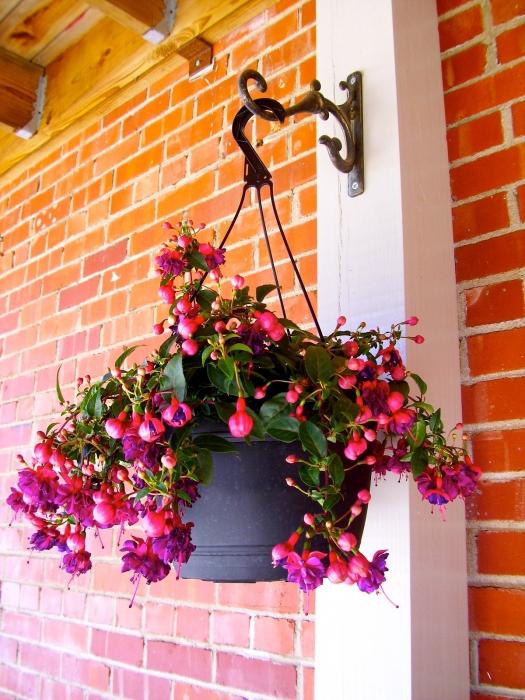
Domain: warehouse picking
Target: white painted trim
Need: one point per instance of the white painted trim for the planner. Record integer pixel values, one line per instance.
(384, 256)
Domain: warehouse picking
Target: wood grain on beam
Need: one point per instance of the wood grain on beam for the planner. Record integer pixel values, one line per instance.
(137, 15)
(88, 77)
(19, 82)
(32, 24)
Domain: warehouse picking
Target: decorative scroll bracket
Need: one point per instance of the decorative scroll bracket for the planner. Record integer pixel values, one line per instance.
(349, 116)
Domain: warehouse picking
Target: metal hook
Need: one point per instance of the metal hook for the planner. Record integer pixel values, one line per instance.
(349, 116)
(255, 172)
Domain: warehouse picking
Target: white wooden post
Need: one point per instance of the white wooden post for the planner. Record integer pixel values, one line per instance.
(382, 257)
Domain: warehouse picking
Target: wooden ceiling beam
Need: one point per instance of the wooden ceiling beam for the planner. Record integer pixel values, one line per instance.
(21, 94)
(153, 19)
(89, 78)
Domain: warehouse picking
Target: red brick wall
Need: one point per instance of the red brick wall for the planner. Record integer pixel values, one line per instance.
(483, 44)
(81, 226)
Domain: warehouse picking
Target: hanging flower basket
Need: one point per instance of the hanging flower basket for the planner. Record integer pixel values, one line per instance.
(281, 489)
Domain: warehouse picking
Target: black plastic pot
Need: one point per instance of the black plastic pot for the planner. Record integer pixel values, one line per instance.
(247, 509)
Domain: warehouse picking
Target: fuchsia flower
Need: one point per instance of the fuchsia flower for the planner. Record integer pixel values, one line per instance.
(140, 558)
(240, 423)
(170, 262)
(376, 573)
(307, 571)
(151, 428)
(177, 414)
(39, 487)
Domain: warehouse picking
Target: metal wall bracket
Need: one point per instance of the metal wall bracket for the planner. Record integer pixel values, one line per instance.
(349, 116)
(199, 54)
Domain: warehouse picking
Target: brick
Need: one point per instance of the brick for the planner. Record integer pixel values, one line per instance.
(190, 662)
(521, 201)
(40, 659)
(511, 44)
(275, 635)
(460, 28)
(94, 674)
(16, 435)
(231, 628)
(108, 257)
(20, 386)
(120, 647)
(496, 610)
(504, 10)
(139, 164)
(276, 597)
(501, 351)
(463, 66)
(490, 257)
(447, 5)
(193, 623)
(488, 172)
(518, 118)
(498, 501)
(499, 450)
(290, 52)
(308, 683)
(498, 399)
(8, 651)
(501, 553)
(159, 618)
(485, 93)
(479, 217)
(502, 663)
(494, 303)
(257, 675)
(474, 136)
(73, 296)
(193, 692)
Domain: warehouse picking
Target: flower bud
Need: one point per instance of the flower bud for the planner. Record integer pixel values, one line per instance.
(190, 347)
(104, 513)
(237, 282)
(347, 541)
(364, 496)
(153, 523)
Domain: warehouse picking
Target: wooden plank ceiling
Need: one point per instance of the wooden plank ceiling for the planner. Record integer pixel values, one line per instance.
(60, 60)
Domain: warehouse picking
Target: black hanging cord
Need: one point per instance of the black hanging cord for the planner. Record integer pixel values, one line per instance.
(257, 175)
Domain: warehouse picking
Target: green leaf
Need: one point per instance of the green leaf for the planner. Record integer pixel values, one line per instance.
(271, 408)
(336, 469)
(206, 297)
(240, 346)
(224, 411)
(205, 465)
(419, 431)
(98, 408)
(258, 430)
(263, 291)
(309, 475)
(197, 260)
(419, 461)
(227, 367)
(435, 421)
(60, 395)
(283, 428)
(140, 494)
(91, 402)
(205, 354)
(166, 345)
(330, 501)
(127, 352)
(318, 364)
(220, 380)
(421, 384)
(182, 494)
(173, 378)
(402, 387)
(312, 439)
(214, 443)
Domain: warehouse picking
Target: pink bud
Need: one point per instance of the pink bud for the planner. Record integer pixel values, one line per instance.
(177, 414)
(184, 241)
(370, 435)
(240, 423)
(370, 459)
(268, 320)
(290, 481)
(76, 542)
(166, 293)
(350, 348)
(347, 382)
(260, 392)
(166, 225)
(219, 327)
(215, 274)
(151, 428)
(347, 541)
(364, 496)
(153, 523)
(158, 328)
(359, 565)
(412, 321)
(418, 339)
(355, 364)
(183, 305)
(169, 460)
(292, 396)
(395, 401)
(237, 282)
(341, 321)
(337, 571)
(291, 459)
(57, 459)
(115, 428)
(190, 347)
(104, 513)
(309, 519)
(356, 509)
(354, 449)
(43, 451)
